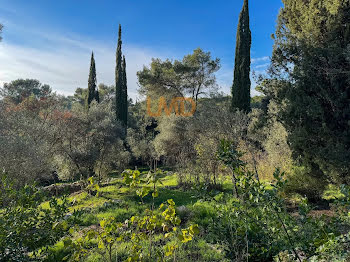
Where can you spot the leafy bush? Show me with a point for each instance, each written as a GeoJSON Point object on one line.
{"type": "Point", "coordinates": [152, 236]}
{"type": "Point", "coordinates": [303, 182]}
{"type": "Point", "coordinates": [26, 228]}
{"type": "Point", "coordinates": [254, 222]}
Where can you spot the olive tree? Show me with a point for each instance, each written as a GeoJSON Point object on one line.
{"type": "Point", "coordinates": [25, 154]}
{"type": "Point", "coordinates": [87, 143]}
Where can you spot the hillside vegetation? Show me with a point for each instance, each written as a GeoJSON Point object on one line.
{"type": "Point", "coordinates": [188, 173]}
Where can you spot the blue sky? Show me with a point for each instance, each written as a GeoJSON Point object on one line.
{"type": "Point", "coordinates": [52, 40]}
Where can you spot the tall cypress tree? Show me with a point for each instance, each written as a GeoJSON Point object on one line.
{"type": "Point", "coordinates": [124, 95]}
{"type": "Point", "coordinates": [121, 93]}
{"type": "Point", "coordinates": [119, 78]}
{"type": "Point", "coordinates": [241, 82]}
{"type": "Point", "coordinates": [92, 86]}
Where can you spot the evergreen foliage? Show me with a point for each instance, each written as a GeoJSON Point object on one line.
{"type": "Point", "coordinates": [92, 84]}
{"type": "Point", "coordinates": [241, 171]}
{"type": "Point", "coordinates": [124, 95]}
{"type": "Point", "coordinates": [310, 83]}
{"type": "Point", "coordinates": [120, 83]}
{"type": "Point", "coordinates": [18, 90]}
{"type": "Point", "coordinates": [192, 76]}
{"type": "Point", "coordinates": [241, 82]}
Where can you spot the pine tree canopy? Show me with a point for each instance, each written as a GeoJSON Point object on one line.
{"type": "Point", "coordinates": [310, 69]}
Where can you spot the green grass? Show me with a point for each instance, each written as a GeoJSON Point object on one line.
{"type": "Point", "coordinates": [93, 208]}
{"type": "Point", "coordinates": [130, 203]}
{"type": "Point", "coordinates": [117, 200]}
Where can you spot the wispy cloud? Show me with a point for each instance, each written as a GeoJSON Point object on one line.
{"type": "Point", "coordinates": [261, 66]}
{"type": "Point", "coordinates": [62, 61]}
{"type": "Point", "coordinates": [68, 69]}
{"type": "Point", "coordinates": [260, 59]}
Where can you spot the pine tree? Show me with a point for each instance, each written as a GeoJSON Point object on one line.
{"type": "Point", "coordinates": [92, 86]}
{"type": "Point", "coordinates": [241, 82]}
{"type": "Point", "coordinates": [124, 95]}
{"type": "Point", "coordinates": [310, 84]}
{"type": "Point", "coordinates": [119, 78]}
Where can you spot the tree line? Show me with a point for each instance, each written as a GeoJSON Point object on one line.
{"type": "Point", "coordinates": [300, 121]}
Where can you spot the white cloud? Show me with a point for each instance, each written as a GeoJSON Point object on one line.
{"type": "Point", "coordinates": [260, 59]}
{"type": "Point", "coordinates": [262, 66]}
{"type": "Point", "coordinates": [68, 67]}
{"type": "Point", "coordinates": [63, 61]}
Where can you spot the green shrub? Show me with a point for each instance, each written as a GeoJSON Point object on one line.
{"type": "Point", "coordinates": [303, 182]}
{"type": "Point", "coordinates": [153, 235]}
{"type": "Point", "coordinates": [254, 224]}
{"type": "Point", "coordinates": [26, 228]}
